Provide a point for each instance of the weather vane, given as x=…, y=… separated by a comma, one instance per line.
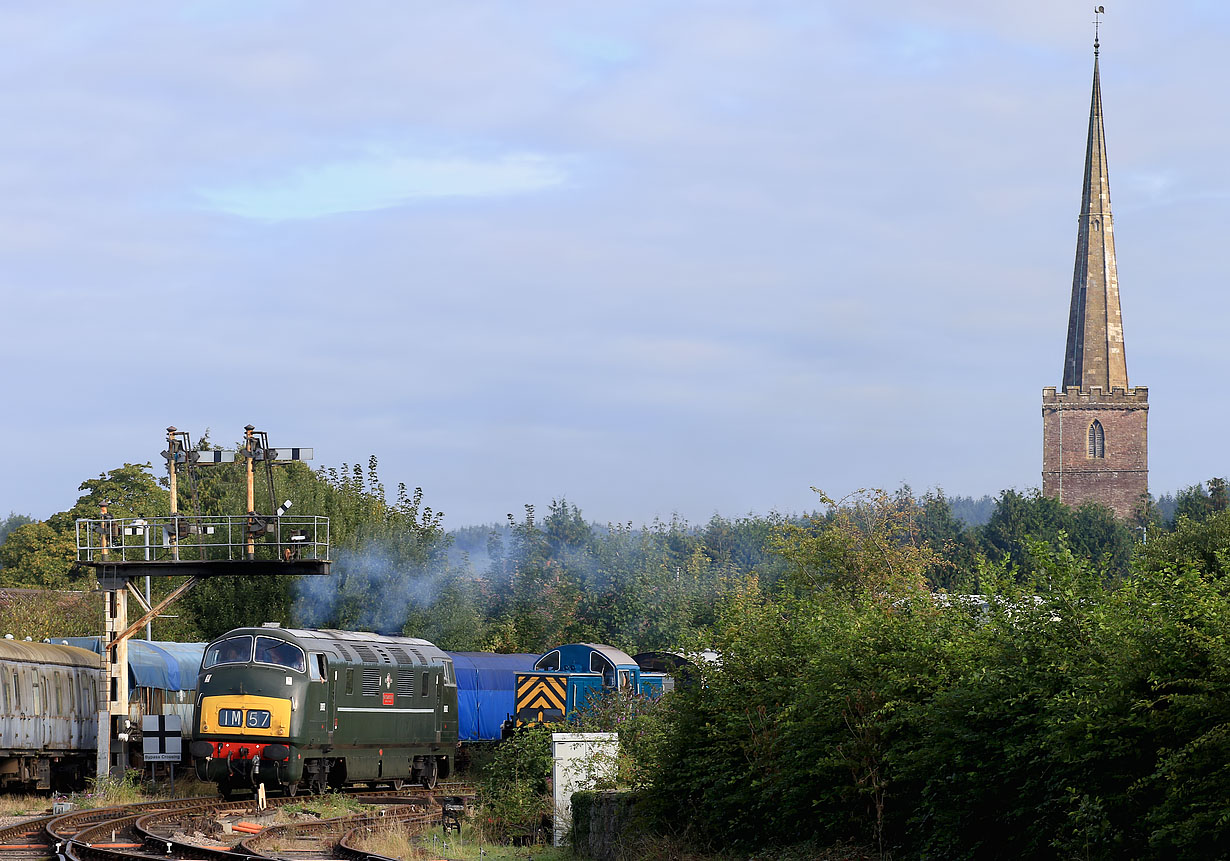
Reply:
x=1098, y=12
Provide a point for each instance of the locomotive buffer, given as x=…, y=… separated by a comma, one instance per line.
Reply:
x=121, y=549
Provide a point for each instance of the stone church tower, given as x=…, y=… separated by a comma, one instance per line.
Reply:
x=1095, y=426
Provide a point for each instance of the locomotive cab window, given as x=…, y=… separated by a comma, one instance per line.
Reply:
x=320, y=669
x=549, y=661
x=599, y=664
x=232, y=650
x=280, y=653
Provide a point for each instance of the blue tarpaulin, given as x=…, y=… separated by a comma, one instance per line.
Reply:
x=486, y=691
x=165, y=665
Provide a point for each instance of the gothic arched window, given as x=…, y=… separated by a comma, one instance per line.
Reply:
x=1097, y=440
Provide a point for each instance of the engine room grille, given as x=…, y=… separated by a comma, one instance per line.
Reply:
x=400, y=654
x=371, y=683
x=405, y=683
x=366, y=653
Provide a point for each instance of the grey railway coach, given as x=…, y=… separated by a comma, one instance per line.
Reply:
x=48, y=715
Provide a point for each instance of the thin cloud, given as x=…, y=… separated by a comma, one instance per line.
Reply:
x=383, y=182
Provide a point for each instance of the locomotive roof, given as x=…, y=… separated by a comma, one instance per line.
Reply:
x=47, y=653
x=357, y=646
x=618, y=657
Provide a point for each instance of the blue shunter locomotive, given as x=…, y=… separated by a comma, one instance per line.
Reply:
x=566, y=680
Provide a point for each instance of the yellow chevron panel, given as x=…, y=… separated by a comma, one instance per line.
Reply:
x=540, y=693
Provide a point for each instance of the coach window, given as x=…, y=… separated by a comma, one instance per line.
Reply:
x=59, y=701
x=280, y=653
x=232, y=650
x=16, y=692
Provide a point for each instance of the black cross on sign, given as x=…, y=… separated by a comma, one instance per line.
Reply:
x=161, y=738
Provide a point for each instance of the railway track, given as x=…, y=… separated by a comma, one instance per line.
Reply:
x=197, y=829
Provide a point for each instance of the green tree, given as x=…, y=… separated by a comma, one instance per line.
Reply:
x=868, y=544
x=950, y=539
x=37, y=556
x=1196, y=503
x=43, y=554
x=12, y=522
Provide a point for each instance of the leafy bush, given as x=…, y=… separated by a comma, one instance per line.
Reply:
x=516, y=786
x=1060, y=715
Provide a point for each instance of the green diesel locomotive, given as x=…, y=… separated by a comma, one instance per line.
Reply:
x=295, y=709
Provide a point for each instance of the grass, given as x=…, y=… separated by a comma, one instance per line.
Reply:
x=399, y=840
x=186, y=786
x=24, y=805
x=108, y=791
x=132, y=789
x=328, y=806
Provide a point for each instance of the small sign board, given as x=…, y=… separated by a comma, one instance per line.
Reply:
x=161, y=736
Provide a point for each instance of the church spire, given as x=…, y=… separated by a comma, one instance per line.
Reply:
x=1095, y=353
x=1095, y=430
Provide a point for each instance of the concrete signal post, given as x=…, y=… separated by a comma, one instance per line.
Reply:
x=122, y=549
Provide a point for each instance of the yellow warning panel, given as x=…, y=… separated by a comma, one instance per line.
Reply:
x=541, y=698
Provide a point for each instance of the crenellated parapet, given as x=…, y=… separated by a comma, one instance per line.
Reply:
x=1095, y=398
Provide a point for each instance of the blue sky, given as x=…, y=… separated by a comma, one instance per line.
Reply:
x=652, y=257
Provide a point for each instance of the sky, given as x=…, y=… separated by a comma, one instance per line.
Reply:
x=651, y=257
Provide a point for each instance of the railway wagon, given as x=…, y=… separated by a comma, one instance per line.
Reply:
x=161, y=679
x=288, y=708
x=678, y=668
x=486, y=684
x=567, y=680
x=48, y=715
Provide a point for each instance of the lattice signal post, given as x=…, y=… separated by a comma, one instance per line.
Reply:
x=190, y=545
